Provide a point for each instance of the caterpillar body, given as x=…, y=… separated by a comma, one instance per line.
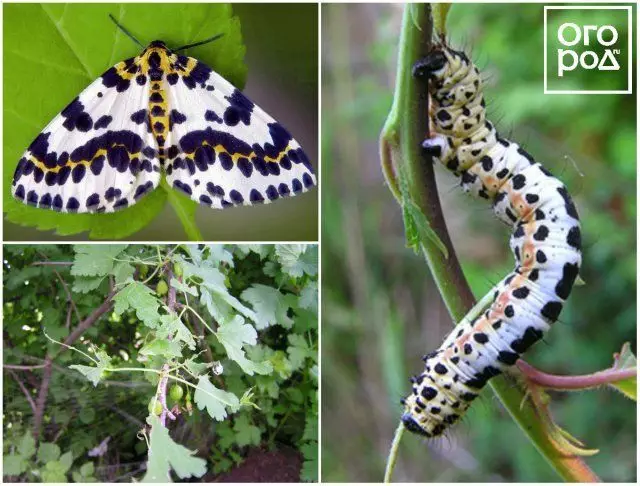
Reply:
x=545, y=242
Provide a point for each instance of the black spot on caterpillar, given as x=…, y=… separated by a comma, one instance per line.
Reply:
x=546, y=244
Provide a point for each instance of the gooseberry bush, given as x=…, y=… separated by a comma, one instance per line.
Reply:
x=157, y=362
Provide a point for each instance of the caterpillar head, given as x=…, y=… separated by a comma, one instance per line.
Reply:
x=440, y=63
x=438, y=398
x=453, y=79
x=427, y=409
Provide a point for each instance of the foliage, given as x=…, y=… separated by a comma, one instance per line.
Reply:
x=381, y=307
x=235, y=327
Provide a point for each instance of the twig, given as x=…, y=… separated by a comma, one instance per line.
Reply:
x=48, y=361
x=576, y=382
x=64, y=286
x=23, y=367
x=50, y=263
x=24, y=389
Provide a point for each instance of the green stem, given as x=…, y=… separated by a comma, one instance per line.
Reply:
x=393, y=453
x=185, y=214
x=400, y=140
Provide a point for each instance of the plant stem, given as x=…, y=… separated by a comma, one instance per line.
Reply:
x=401, y=139
x=185, y=214
x=393, y=453
x=576, y=382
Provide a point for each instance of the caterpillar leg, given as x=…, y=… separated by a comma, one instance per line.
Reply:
x=435, y=146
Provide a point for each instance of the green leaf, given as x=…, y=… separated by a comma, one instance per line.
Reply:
x=54, y=472
x=309, y=471
x=310, y=429
x=13, y=465
x=233, y=336
x=269, y=305
x=260, y=249
x=87, y=415
x=309, y=297
x=296, y=260
x=196, y=368
x=246, y=432
x=182, y=287
x=140, y=298
x=123, y=271
x=84, y=474
x=216, y=401
x=87, y=469
x=95, y=260
x=165, y=454
x=77, y=43
x=219, y=301
x=48, y=452
x=94, y=373
x=185, y=209
x=66, y=460
x=416, y=224
x=171, y=325
x=84, y=285
x=162, y=347
x=626, y=360
x=27, y=445
x=299, y=350
x=218, y=254
x=417, y=229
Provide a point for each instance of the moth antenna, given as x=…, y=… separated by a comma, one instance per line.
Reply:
x=129, y=34
x=206, y=41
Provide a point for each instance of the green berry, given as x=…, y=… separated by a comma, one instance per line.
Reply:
x=155, y=407
x=177, y=269
x=162, y=288
x=176, y=393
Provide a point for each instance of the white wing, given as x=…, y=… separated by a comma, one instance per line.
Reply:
x=95, y=156
x=223, y=150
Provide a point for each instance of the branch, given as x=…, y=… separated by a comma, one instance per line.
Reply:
x=46, y=376
x=24, y=390
x=23, y=367
x=47, y=263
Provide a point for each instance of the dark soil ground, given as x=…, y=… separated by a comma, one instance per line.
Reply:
x=263, y=466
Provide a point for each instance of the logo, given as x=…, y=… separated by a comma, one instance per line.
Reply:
x=587, y=49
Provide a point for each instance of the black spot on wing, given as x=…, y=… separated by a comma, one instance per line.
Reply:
x=239, y=109
x=76, y=118
x=102, y=122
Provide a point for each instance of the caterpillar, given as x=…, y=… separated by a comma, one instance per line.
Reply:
x=546, y=244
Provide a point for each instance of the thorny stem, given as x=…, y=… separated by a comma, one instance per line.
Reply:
x=400, y=142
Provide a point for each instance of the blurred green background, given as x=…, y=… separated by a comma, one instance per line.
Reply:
x=282, y=60
x=381, y=309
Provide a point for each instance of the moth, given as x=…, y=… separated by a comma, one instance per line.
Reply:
x=160, y=112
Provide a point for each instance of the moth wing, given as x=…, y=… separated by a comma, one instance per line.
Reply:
x=224, y=150
x=95, y=155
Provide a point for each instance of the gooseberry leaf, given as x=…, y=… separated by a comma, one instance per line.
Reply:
x=216, y=401
x=165, y=454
